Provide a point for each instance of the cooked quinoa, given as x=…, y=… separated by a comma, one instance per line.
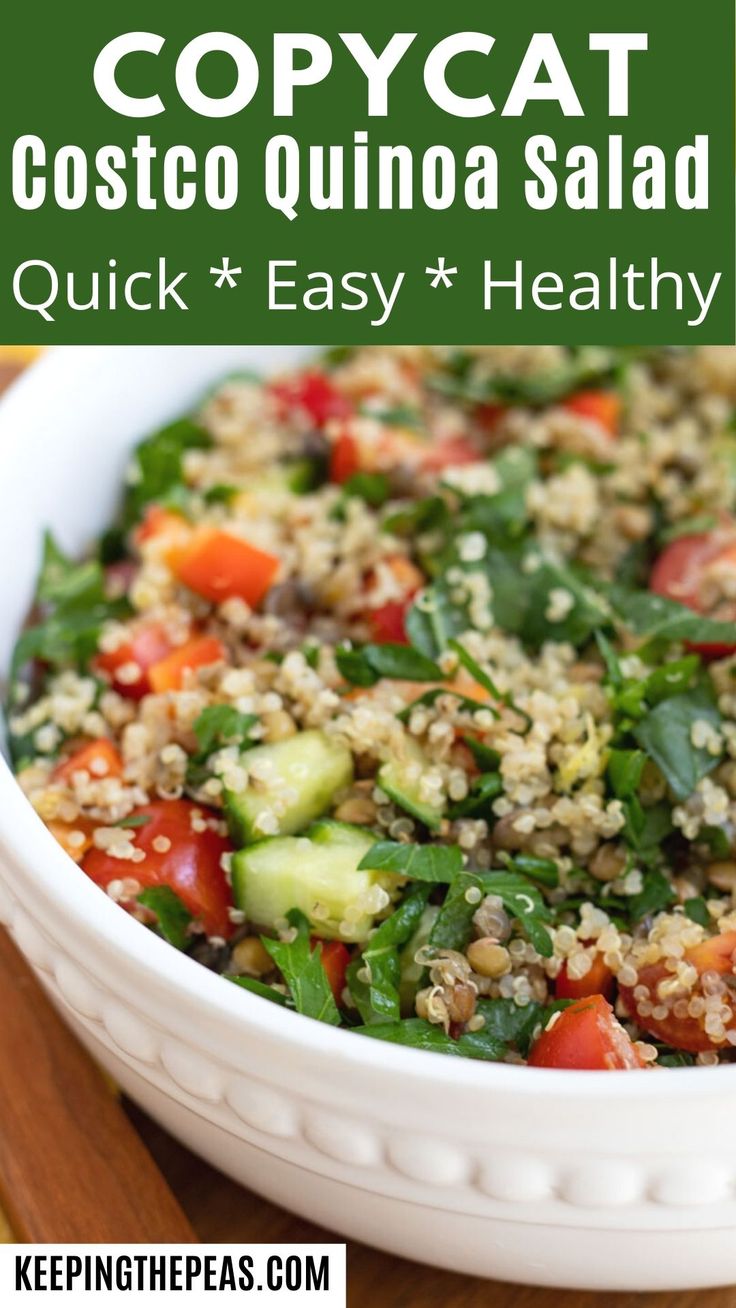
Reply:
x=402, y=692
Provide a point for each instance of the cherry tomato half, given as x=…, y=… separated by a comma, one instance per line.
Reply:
x=585, y=1036
x=716, y=955
x=387, y=620
x=335, y=959
x=147, y=644
x=679, y=574
x=598, y=981
x=99, y=758
x=314, y=394
x=190, y=866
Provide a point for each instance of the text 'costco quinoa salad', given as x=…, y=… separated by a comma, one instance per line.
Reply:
x=402, y=693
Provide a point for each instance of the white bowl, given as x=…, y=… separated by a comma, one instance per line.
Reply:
x=588, y=1179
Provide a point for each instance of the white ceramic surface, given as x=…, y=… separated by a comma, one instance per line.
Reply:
x=597, y=1180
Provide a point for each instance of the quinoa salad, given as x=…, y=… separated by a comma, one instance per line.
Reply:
x=402, y=694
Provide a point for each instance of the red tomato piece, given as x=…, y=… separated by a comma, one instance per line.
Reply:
x=200, y=652
x=314, y=394
x=387, y=623
x=488, y=416
x=716, y=955
x=148, y=644
x=335, y=959
x=98, y=757
x=678, y=574
x=191, y=866
x=586, y=1036
x=601, y=407
x=219, y=566
x=598, y=981
x=450, y=453
x=344, y=458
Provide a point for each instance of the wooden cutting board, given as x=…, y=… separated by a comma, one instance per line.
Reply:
x=221, y=1212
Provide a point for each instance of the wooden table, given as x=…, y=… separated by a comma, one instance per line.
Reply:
x=222, y=1212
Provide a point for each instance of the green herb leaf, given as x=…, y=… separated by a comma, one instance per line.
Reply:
x=435, y=618
x=657, y=618
x=378, y=999
x=400, y=416
x=697, y=910
x=655, y=895
x=522, y=900
x=665, y=735
x=372, y=487
x=625, y=767
x=158, y=465
x=433, y=863
x=172, y=917
x=221, y=725
x=220, y=493
x=454, y=923
x=483, y=790
x=478, y=674
x=259, y=988
x=424, y=515
x=74, y=607
x=366, y=666
x=535, y=390
x=486, y=758
x=217, y=727
x=543, y=870
x=513, y=1026
x=415, y=1033
x=302, y=970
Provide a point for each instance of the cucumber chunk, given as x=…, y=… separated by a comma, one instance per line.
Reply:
x=328, y=831
x=321, y=879
x=291, y=783
x=400, y=779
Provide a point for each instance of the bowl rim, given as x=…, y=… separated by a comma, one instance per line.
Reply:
x=30, y=845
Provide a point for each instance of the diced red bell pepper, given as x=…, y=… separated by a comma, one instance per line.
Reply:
x=99, y=758
x=598, y=981
x=219, y=566
x=314, y=394
x=148, y=643
x=601, y=407
x=586, y=1036
x=718, y=954
x=335, y=959
x=200, y=652
x=191, y=864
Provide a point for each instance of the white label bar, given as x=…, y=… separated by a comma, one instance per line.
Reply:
x=190, y=1276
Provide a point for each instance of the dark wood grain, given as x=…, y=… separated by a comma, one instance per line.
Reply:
x=72, y=1166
